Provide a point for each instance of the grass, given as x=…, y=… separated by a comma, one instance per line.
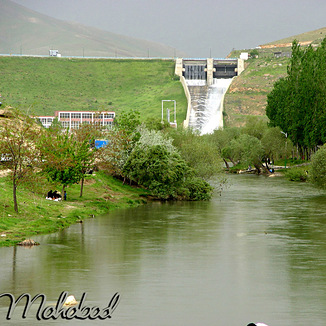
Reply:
x=102, y=193
x=44, y=85
x=247, y=95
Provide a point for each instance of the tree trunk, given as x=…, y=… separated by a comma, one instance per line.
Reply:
x=232, y=161
x=226, y=163
x=258, y=167
x=266, y=170
x=81, y=187
x=14, y=192
x=63, y=192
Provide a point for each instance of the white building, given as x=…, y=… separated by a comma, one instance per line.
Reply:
x=73, y=119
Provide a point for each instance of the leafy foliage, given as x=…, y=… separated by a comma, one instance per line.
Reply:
x=63, y=157
x=297, y=102
x=317, y=172
x=156, y=164
x=157, y=169
x=18, y=134
x=200, y=152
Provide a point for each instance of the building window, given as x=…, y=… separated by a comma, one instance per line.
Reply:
x=75, y=124
x=87, y=115
x=65, y=124
x=63, y=115
x=75, y=115
x=108, y=116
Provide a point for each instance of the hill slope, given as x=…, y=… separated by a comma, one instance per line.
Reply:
x=248, y=92
x=44, y=85
x=24, y=31
x=312, y=37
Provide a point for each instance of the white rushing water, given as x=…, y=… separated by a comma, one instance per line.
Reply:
x=206, y=113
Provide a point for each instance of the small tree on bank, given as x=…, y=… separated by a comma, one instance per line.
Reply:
x=18, y=136
x=85, y=135
x=61, y=163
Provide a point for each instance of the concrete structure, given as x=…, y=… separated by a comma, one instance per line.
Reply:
x=208, y=69
x=281, y=54
x=168, y=113
x=198, y=75
x=73, y=119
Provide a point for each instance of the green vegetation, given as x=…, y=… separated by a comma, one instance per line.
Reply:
x=297, y=173
x=247, y=95
x=297, y=102
x=45, y=85
x=52, y=158
x=38, y=215
x=317, y=171
x=147, y=157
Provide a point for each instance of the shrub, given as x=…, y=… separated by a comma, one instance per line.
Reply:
x=198, y=189
x=297, y=174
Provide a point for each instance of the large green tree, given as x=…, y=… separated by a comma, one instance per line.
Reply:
x=297, y=104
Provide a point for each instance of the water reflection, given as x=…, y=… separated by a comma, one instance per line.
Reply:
x=255, y=253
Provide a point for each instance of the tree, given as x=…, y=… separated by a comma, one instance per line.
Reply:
x=122, y=139
x=85, y=135
x=297, y=102
x=158, y=166
x=18, y=136
x=317, y=172
x=248, y=150
x=61, y=159
x=275, y=144
x=200, y=152
x=156, y=169
x=221, y=139
x=255, y=127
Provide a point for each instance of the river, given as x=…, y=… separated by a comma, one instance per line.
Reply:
x=254, y=253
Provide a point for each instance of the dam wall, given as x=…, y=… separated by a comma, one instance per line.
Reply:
x=205, y=82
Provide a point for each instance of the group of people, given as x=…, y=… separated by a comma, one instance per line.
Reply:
x=56, y=196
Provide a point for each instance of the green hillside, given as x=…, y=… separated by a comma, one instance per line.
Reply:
x=248, y=92
x=247, y=95
x=315, y=37
x=44, y=85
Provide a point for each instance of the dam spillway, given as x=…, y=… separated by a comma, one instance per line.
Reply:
x=205, y=82
x=206, y=105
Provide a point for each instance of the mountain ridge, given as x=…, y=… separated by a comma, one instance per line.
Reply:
x=24, y=31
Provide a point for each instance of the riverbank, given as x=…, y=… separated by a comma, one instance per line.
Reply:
x=37, y=215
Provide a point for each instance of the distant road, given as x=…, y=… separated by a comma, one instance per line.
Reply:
x=119, y=58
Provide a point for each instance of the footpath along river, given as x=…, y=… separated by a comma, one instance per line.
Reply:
x=255, y=253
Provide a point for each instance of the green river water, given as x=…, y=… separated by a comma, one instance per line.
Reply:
x=255, y=253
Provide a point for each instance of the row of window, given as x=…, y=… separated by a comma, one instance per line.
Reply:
x=46, y=120
x=76, y=124
x=67, y=115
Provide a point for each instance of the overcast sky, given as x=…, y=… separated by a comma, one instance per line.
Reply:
x=198, y=27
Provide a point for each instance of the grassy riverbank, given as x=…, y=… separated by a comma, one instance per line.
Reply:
x=102, y=193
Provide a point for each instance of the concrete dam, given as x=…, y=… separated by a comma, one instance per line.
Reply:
x=205, y=82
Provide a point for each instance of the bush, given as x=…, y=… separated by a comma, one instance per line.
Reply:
x=297, y=174
x=318, y=168
x=198, y=189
